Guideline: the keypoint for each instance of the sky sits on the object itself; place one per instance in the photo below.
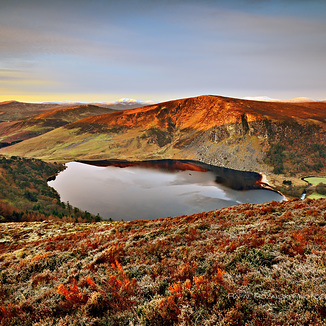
(103, 50)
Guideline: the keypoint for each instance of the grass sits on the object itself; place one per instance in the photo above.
(315, 180)
(244, 265)
(316, 195)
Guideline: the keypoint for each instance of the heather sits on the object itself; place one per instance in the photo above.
(243, 265)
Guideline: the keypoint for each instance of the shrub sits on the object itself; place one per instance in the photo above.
(321, 188)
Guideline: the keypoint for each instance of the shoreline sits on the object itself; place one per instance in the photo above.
(265, 184)
(234, 179)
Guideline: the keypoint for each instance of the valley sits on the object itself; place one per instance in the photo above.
(162, 163)
(284, 141)
(261, 264)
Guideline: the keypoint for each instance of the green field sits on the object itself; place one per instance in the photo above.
(316, 195)
(315, 181)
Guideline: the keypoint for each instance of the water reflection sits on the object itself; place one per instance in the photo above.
(144, 191)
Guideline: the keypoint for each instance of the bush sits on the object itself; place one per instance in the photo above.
(31, 196)
(321, 188)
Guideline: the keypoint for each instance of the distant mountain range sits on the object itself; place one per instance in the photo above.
(122, 104)
(268, 99)
(14, 110)
(278, 138)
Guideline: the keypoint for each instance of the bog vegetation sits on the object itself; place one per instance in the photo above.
(25, 195)
(243, 265)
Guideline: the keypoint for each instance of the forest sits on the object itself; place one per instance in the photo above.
(25, 195)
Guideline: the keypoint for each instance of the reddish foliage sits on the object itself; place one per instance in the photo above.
(157, 276)
(72, 294)
(91, 282)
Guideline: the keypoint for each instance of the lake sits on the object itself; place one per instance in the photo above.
(156, 189)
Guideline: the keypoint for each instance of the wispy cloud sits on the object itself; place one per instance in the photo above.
(229, 47)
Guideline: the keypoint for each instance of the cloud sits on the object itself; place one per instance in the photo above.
(9, 75)
(18, 81)
(164, 46)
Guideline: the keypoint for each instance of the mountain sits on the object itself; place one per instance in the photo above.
(268, 99)
(276, 138)
(125, 104)
(300, 99)
(261, 98)
(16, 131)
(13, 110)
(248, 264)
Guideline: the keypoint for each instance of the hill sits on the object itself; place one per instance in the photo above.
(13, 110)
(249, 264)
(270, 137)
(26, 196)
(12, 132)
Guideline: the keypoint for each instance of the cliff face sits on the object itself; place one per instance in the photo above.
(221, 131)
(287, 138)
(282, 146)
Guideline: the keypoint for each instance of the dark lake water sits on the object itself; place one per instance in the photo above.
(148, 190)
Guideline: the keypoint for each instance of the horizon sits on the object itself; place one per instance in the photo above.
(129, 100)
(155, 50)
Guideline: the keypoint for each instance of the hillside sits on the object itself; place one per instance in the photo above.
(17, 131)
(26, 196)
(245, 265)
(13, 110)
(269, 137)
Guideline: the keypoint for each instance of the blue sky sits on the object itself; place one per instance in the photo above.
(159, 50)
